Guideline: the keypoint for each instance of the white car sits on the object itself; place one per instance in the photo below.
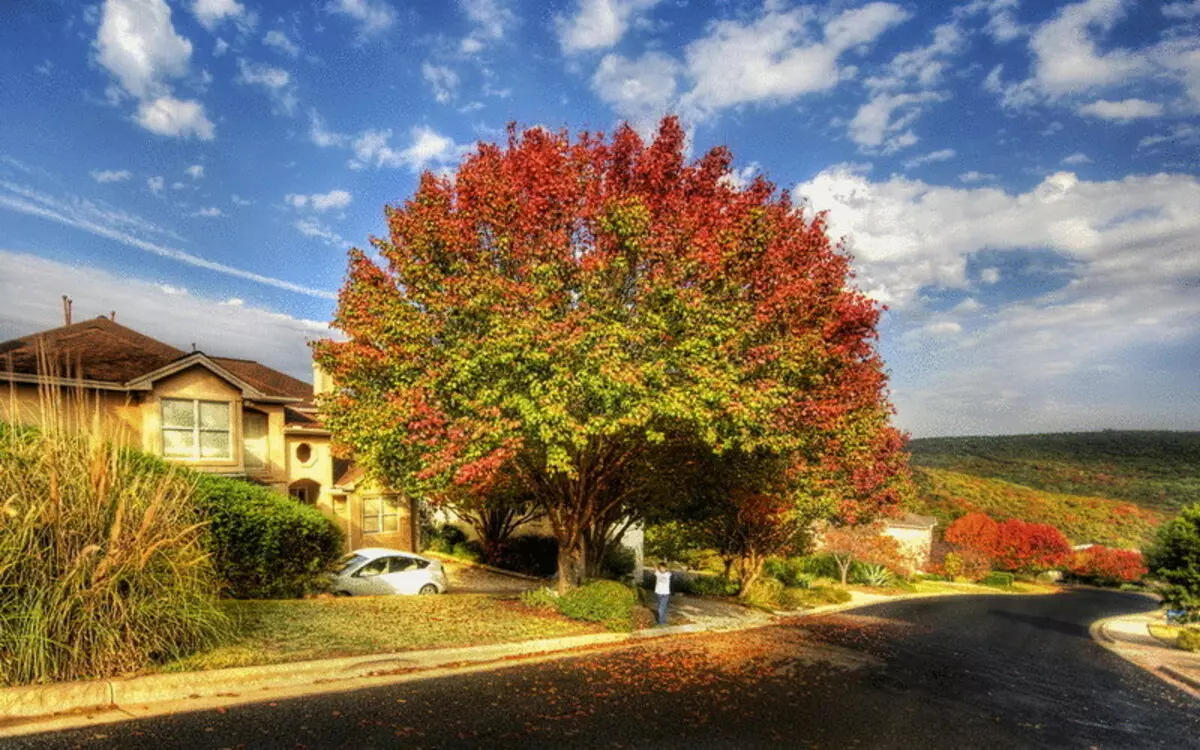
(376, 570)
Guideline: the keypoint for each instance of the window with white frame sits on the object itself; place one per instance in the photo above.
(380, 514)
(197, 430)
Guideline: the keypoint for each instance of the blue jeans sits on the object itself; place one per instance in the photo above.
(662, 608)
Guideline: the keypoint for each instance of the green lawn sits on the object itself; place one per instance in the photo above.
(275, 631)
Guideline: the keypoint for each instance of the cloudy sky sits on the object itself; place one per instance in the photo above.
(1017, 180)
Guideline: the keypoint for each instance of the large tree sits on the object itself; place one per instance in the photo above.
(559, 305)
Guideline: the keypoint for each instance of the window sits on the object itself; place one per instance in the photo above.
(196, 430)
(373, 568)
(304, 453)
(399, 564)
(380, 514)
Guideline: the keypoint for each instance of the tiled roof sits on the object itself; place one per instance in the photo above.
(97, 349)
(102, 350)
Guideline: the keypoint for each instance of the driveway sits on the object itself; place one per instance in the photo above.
(467, 579)
(961, 672)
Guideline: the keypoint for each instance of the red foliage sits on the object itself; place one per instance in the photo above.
(1108, 565)
(1012, 544)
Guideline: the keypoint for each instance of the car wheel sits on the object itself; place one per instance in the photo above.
(428, 588)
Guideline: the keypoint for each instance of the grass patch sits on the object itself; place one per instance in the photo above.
(277, 631)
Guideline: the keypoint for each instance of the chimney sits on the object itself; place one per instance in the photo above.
(66, 310)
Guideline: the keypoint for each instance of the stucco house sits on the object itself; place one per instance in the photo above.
(914, 533)
(213, 414)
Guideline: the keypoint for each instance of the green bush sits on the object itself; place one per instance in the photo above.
(867, 574)
(998, 579)
(1189, 639)
(821, 566)
(540, 598)
(619, 562)
(765, 593)
(813, 597)
(607, 602)
(791, 572)
(439, 545)
(265, 545)
(696, 584)
(1175, 559)
(102, 562)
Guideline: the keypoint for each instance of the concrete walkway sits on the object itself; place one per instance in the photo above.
(1129, 637)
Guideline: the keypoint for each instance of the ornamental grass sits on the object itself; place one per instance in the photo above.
(102, 564)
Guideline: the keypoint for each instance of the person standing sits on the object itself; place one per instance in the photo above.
(662, 588)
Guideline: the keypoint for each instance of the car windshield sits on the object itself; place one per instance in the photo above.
(348, 562)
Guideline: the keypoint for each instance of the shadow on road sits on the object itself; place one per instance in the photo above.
(1043, 623)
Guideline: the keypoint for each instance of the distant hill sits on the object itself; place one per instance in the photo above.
(1098, 487)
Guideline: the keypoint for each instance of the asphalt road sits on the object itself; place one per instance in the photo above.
(967, 672)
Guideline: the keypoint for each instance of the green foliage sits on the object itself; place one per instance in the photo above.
(469, 551)
(791, 572)
(1156, 470)
(266, 545)
(870, 574)
(1175, 558)
(540, 598)
(102, 563)
(606, 602)
(765, 593)
(619, 562)
(949, 495)
(817, 596)
(702, 585)
(1189, 639)
(672, 540)
(998, 579)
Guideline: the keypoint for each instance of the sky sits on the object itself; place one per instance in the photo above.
(1016, 180)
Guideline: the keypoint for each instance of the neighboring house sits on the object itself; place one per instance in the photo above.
(221, 415)
(915, 536)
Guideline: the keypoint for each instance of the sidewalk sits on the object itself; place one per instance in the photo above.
(1129, 637)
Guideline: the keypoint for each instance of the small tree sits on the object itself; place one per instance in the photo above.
(1106, 565)
(1012, 544)
(1175, 559)
(864, 543)
(751, 528)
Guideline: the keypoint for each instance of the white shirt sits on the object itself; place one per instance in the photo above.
(662, 582)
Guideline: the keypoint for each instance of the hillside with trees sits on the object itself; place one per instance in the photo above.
(1111, 487)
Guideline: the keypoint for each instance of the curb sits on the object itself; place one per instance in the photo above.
(1184, 678)
(1137, 656)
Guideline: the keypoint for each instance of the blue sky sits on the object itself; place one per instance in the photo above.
(1017, 180)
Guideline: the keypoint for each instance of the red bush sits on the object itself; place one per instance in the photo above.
(1013, 544)
(1108, 565)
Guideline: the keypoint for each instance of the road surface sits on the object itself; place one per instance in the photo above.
(962, 672)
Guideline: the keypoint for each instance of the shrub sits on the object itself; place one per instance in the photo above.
(452, 534)
(1189, 639)
(814, 597)
(266, 545)
(966, 563)
(1011, 545)
(540, 598)
(607, 602)
(872, 575)
(102, 562)
(439, 545)
(998, 579)
(1107, 566)
(699, 584)
(765, 593)
(619, 562)
(470, 551)
(791, 572)
(531, 554)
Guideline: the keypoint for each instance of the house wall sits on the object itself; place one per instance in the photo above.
(21, 403)
(915, 544)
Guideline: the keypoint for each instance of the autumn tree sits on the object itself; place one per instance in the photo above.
(1107, 565)
(559, 305)
(1013, 544)
(864, 543)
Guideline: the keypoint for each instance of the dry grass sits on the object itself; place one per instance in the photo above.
(275, 631)
(102, 570)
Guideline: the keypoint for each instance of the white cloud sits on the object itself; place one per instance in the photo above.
(442, 79)
(1182, 10)
(32, 286)
(319, 135)
(334, 199)
(990, 275)
(107, 175)
(944, 328)
(237, 200)
(279, 41)
(311, 227)
(490, 21)
(973, 176)
(1122, 111)
(1184, 135)
(220, 47)
(117, 226)
(196, 171)
(373, 16)
(209, 212)
(1077, 158)
(167, 115)
(1067, 59)
(275, 81)
(775, 58)
(598, 24)
(427, 148)
(944, 154)
(211, 13)
(137, 43)
(155, 184)
(641, 91)
(881, 124)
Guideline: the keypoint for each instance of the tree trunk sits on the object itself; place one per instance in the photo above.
(570, 567)
(844, 569)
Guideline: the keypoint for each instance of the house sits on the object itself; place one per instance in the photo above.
(914, 533)
(215, 414)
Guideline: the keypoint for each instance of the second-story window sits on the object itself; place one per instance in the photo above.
(196, 430)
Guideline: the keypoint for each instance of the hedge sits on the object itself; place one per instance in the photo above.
(265, 545)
